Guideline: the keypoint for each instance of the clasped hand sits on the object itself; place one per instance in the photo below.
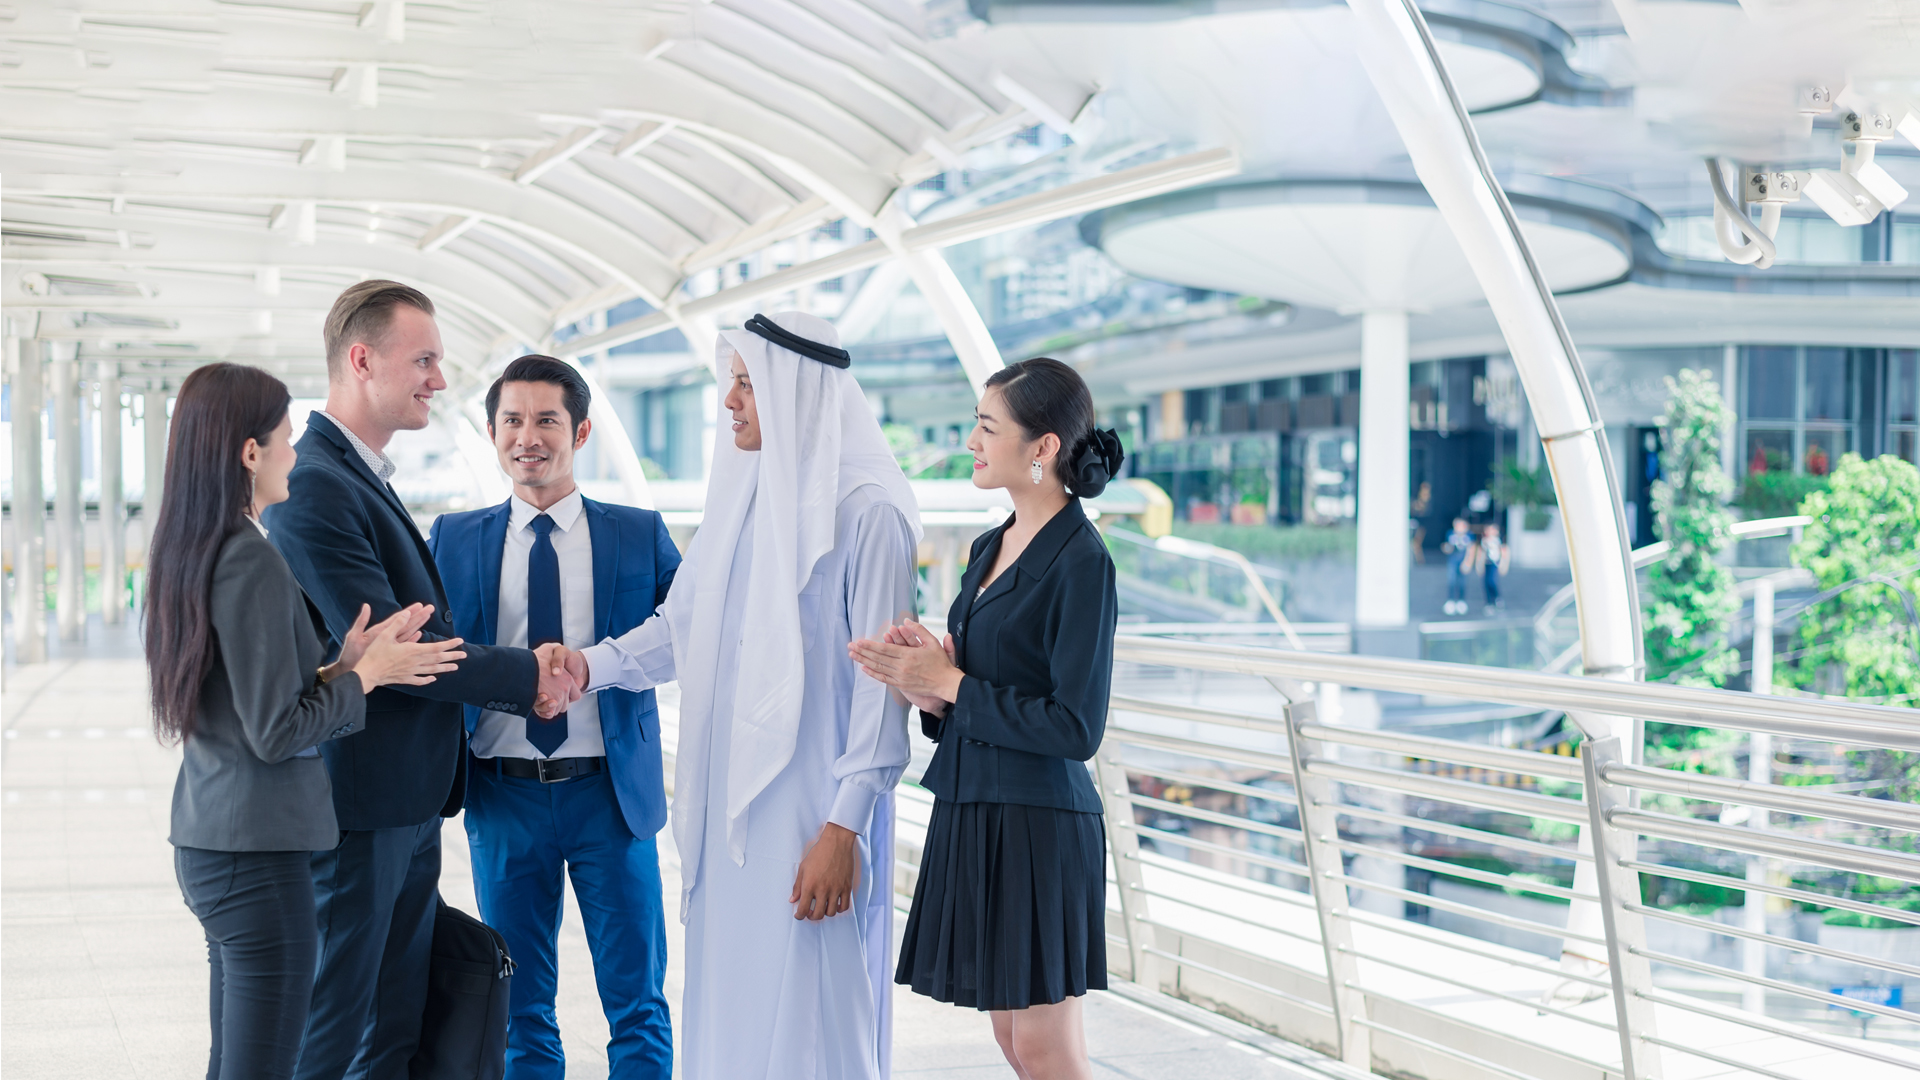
(563, 679)
(910, 659)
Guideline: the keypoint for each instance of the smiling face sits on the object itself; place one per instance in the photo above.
(270, 464)
(1003, 456)
(739, 402)
(400, 372)
(535, 439)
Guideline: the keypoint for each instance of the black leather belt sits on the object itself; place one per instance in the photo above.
(545, 770)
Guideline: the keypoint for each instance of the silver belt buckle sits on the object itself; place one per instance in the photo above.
(540, 765)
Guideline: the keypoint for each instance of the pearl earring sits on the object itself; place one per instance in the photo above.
(1037, 471)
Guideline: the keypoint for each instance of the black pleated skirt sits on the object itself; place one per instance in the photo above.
(1010, 907)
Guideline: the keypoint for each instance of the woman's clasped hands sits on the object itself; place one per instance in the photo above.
(909, 658)
(391, 653)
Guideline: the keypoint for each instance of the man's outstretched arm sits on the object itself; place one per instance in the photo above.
(335, 562)
(640, 659)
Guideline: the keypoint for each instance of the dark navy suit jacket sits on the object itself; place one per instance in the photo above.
(634, 561)
(1037, 650)
(351, 542)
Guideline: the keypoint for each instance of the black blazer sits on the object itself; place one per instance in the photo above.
(351, 542)
(244, 783)
(1037, 649)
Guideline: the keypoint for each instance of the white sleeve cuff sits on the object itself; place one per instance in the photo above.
(853, 807)
(603, 666)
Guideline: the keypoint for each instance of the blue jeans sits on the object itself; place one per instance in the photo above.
(526, 838)
(1456, 580)
(1493, 584)
(256, 908)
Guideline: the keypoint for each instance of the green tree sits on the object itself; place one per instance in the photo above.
(1692, 595)
(1865, 534)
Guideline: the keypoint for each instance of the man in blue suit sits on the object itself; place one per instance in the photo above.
(579, 794)
(350, 542)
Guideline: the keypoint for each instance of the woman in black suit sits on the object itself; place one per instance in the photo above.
(233, 662)
(1009, 914)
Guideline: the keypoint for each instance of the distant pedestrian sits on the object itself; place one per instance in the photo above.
(1458, 546)
(1493, 561)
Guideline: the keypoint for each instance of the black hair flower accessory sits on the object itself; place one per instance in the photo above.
(1095, 463)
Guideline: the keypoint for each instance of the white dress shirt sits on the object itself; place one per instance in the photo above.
(382, 465)
(501, 734)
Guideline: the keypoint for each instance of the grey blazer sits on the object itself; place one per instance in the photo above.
(244, 784)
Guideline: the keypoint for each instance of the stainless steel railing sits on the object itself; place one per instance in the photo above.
(1434, 908)
(1557, 643)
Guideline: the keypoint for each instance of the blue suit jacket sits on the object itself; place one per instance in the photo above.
(350, 542)
(633, 564)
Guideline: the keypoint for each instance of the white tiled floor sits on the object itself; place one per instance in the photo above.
(103, 970)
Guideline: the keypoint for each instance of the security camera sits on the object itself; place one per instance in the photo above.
(1857, 193)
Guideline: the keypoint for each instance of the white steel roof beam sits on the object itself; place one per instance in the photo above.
(556, 153)
(802, 92)
(446, 232)
(585, 173)
(643, 134)
(535, 212)
(775, 117)
(498, 302)
(753, 172)
(1087, 195)
(691, 190)
(898, 101)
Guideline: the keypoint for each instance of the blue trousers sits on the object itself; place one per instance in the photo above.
(525, 836)
(1492, 584)
(374, 900)
(1456, 579)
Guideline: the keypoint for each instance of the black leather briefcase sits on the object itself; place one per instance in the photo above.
(463, 1034)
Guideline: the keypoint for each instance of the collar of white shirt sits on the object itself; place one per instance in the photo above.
(382, 465)
(565, 513)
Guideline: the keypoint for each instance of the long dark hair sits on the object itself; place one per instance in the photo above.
(1044, 395)
(205, 499)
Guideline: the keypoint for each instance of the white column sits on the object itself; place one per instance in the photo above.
(153, 433)
(966, 330)
(69, 514)
(1753, 954)
(113, 501)
(1381, 596)
(610, 433)
(1403, 63)
(29, 504)
(940, 286)
(703, 340)
(1730, 392)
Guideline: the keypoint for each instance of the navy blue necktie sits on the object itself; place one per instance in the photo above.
(543, 624)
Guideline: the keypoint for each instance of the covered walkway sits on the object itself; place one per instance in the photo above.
(105, 974)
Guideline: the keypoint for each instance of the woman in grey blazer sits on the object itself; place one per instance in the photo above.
(233, 658)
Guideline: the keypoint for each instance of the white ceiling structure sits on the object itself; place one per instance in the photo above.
(196, 179)
(188, 181)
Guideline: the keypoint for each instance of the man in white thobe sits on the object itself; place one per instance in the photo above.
(783, 807)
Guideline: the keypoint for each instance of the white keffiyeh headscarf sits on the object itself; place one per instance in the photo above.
(819, 441)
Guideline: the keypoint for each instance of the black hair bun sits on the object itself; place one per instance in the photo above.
(1096, 462)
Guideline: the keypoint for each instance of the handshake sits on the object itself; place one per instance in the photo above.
(563, 679)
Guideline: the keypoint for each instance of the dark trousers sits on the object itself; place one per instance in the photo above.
(374, 901)
(1492, 583)
(256, 908)
(526, 838)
